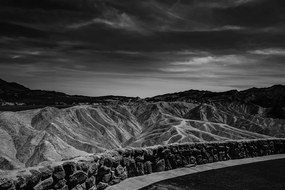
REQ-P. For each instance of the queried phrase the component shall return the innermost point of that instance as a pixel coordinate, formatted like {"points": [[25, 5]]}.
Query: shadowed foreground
{"points": [[262, 175]]}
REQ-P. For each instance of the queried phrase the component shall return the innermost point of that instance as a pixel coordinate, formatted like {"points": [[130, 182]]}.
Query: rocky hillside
{"points": [[45, 135], [50, 134], [272, 98], [15, 97]]}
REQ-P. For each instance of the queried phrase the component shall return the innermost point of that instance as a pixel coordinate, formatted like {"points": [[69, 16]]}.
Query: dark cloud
{"points": [[263, 13], [113, 46]]}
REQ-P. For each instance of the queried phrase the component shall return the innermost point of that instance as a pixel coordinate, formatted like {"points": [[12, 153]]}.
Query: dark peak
{"points": [[276, 86], [191, 91], [2, 81], [12, 86]]}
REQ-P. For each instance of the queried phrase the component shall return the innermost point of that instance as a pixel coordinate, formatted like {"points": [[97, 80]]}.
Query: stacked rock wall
{"points": [[109, 168]]}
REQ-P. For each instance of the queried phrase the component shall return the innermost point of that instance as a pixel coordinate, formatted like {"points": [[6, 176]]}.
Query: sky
{"points": [[142, 48]]}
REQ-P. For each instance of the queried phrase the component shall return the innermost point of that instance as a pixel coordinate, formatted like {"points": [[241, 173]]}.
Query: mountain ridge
{"points": [[48, 134], [42, 136], [14, 94], [202, 95]]}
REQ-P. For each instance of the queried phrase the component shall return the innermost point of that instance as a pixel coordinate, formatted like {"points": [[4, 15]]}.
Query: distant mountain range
{"points": [[44, 135], [22, 97], [272, 98], [14, 96], [265, 97]]}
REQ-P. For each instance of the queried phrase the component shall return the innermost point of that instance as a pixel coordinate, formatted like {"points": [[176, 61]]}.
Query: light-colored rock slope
{"points": [[242, 116], [28, 138]]}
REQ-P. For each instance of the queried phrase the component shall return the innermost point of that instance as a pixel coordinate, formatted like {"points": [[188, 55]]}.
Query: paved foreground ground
{"points": [[270, 172], [260, 175]]}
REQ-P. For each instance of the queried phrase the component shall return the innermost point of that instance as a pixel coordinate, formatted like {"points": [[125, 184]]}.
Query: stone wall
{"points": [[100, 171]]}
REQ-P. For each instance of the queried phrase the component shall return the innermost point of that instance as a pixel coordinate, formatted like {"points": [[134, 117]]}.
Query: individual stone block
{"points": [[132, 168], [78, 187], [93, 169], [107, 178], [77, 178], [193, 160], [115, 181], [45, 184], [108, 161], [121, 172], [184, 161], [173, 161], [140, 168], [61, 183], [69, 168], [148, 167], [167, 164], [210, 159], [103, 170], [82, 166], [90, 182], [34, 178], [179, 160], [148, 155], [199, 159], [58, 172], [160, 166], [102, 186], [46, 172]]}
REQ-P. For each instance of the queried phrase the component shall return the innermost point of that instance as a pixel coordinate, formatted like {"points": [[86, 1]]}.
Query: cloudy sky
{"points": [[142, 47]]}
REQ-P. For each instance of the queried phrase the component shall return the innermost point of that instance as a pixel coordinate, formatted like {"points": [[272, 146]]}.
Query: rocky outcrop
{"points": [[109, 168], [46, 135], [42, 136]]}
